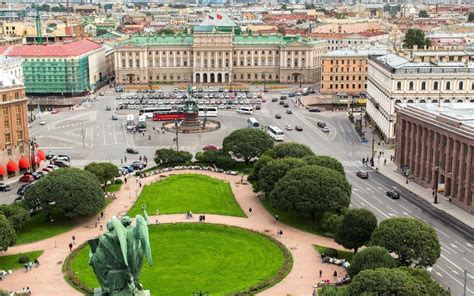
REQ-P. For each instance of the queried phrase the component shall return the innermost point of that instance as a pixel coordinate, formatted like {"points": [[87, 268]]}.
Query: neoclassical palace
{"points": [[218, 54]]}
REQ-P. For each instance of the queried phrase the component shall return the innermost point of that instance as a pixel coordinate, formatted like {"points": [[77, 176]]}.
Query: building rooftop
{"points": [[355, 52], [159, 40], [75, 48], [7, 80], [396, 63]]}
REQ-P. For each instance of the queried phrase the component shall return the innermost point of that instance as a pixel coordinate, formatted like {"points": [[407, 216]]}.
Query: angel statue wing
{"points": [[141, 232], [121, 232]]}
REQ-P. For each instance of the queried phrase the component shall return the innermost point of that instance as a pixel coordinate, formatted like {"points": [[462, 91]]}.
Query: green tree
{"points": [[45, 7], [423, 13], [331, 222], [247, 143], [275, 170], [171, 156], [7, 234], [311, 189], [413, 241], [416, 37], [15, 214], [218, 158], [371, 258], [325, 161], [257, 166], [356, 228], [104, 171], [73, 191], [470, 18], [385, 281], [424, 277], [289, 150]]}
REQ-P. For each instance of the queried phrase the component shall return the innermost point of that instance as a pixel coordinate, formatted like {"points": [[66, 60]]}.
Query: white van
{"points": [[245, 110]]}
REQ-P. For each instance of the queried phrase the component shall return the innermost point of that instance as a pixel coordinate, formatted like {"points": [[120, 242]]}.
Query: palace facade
{"points": [[218, 53]]}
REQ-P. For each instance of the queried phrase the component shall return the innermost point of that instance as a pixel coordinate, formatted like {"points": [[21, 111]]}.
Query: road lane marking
{"points": [[454, 264], [443, 233], [103, 131], [392, 209], [447, 247], [467, 261], [456, 280], [377, 209]]}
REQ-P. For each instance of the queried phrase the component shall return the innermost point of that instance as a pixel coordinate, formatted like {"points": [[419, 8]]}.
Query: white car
{"points": [[42, 122], [288, 127]]}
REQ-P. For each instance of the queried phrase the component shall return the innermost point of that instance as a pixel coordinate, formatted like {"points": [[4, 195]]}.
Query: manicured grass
{"points": [[296, 220], [340, 254], [188, 258], [10, 262], [113, 187], [188, 192], [37, 228]]}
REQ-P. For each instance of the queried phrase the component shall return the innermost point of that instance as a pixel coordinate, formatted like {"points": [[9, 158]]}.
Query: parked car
{"points": [[286, 105], [36, 175], [114, 117], [63, 157], [49, 170], [321, 124], [274, 99], [5, 187], [393, 194], [288, 127], [314, 109], [42, 122], [325, 129], [129, 168], [50, 155], [282, 103], [61, 163], [101, 94], [298, 128], [27, 178], [362, 174], [54, 111], [138, 165], [23, 188], [19, 198], [42, 173], [277, 116], [108, 108], [210, 147], [132, 150], [52, 166], [289, 111]]}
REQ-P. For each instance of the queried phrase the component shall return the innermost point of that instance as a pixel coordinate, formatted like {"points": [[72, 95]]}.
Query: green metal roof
{"points": [[159, 40], [271, 40]]}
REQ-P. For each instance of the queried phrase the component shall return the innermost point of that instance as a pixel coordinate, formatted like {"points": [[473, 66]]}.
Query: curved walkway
{"points": [[48, 279]]}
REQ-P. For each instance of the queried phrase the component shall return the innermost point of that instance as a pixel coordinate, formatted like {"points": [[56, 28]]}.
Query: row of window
{"points": [[436, 85], [211, 63], [347, 78], [198, 53], [16, 96], [346, 86], [347, 62]]}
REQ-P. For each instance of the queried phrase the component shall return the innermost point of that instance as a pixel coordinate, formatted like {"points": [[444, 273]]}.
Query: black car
{"points": [[314, 109], [274, 99], [277, 116], [282, 102], [322, 124], [298, 128], [289, 111], [362, 174], [50, 155], [5, 187], [61, 163], [283, 98], [132, 151], [138, 165], [393, 194], [286, 105], [23, 188], [291, 95]]}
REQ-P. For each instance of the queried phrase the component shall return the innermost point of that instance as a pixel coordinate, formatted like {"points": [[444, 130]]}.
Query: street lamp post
{"points": [[177, 134], [436, 185], [373, 148]]}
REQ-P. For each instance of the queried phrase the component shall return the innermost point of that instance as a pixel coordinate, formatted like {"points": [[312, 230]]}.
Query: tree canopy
{"points": [[416, 37], [247, 143], [7, 234], [385, 281], [73, 191], [311, 189], [413, 241], [423, 13], [371, 258], [356, 228], [171, 156], [257, 166], [104, 171], [218, 158], [269, 175], [289, 150], [15, 214], [325, 161], [424, 277], [470, 18]]}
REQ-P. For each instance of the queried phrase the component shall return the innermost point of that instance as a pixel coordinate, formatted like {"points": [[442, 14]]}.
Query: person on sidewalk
{"points": [[250, 211], [70, 246], [276, 217]]}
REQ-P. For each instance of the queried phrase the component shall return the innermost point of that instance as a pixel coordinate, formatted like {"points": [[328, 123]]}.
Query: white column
{"points": [[159, 59], [189, 59], [216, 55], [251, 58], [273, 58], [174, 58], [202, 61], [259, 58], [167, 59]]}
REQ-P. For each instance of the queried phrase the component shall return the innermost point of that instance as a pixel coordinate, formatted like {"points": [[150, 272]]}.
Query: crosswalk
{"points": [[352, 163]]}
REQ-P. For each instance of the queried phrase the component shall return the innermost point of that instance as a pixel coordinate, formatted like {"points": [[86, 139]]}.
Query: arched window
{"points": [[423, 85], [461, 85], [410, 101], [459, 101], [422, 101], [398, 102], [399, 85], [411, 85], [448, 85], [435, 85], [434, 101], [447, 101]]}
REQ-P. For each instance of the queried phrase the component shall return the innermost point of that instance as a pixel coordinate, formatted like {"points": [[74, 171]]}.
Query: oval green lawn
{"points": [[202, 257], [182, 193]]}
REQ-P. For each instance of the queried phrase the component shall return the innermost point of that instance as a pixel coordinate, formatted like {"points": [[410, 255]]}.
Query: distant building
{"points": [[345, 71], [215, 54], [70, 69], [392, 80], [437, 143], [14, 135], [12, 66]]}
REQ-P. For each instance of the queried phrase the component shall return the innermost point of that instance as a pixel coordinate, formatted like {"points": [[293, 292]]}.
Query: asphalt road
{"points": [[91, 135]]}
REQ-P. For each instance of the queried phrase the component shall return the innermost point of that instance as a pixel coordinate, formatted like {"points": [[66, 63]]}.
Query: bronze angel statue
{"points": [[117, 256]]}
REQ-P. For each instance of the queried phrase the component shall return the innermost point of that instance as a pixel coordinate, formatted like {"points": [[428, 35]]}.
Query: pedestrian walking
{"points": [[140, 184], [101, 227], [384, 161], [363, 160], [102, 214], [125, 180], [149, 137], [250, 211], [121, 161], [70, 247], [125, 158], [73, 240], [140, 158], [276, 217], [96, 224], [335, 274], [320, 273]]}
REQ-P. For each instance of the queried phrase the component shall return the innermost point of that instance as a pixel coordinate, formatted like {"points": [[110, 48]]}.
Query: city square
{"points": [[229, 148]]}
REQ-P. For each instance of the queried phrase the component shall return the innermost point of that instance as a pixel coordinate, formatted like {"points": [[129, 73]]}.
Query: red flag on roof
{"points": [[211, 17], [219, 17]]}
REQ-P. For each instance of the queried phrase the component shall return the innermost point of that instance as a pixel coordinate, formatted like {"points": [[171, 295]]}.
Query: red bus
{"points": [[168, 115]]}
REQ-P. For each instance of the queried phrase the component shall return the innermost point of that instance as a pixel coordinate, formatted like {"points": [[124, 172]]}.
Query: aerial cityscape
{"points": [[235, 147]]}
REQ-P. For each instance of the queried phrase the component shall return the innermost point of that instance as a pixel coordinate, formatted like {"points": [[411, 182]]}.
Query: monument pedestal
{"points": [[98, 292]]}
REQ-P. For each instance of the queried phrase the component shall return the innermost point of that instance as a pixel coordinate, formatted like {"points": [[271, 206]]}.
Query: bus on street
{"points": [[275, 132], [253, 123]]}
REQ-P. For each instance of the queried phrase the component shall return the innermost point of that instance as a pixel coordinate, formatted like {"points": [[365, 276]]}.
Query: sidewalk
{"points": [[390, 171]]}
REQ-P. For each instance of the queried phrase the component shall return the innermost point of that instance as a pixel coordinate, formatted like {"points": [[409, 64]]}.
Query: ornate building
{"points": [[218, 53]]}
